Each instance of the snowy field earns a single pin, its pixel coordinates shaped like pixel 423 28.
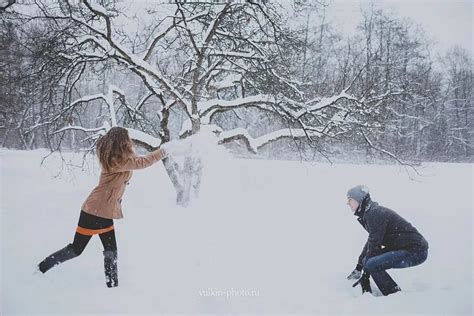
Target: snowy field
pixel 266 237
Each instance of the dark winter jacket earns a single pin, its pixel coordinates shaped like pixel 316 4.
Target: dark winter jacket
pixel 388 229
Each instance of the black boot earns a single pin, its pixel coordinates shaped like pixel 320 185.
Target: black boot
pixel 395 289
pixel 56 258
pixel 110 268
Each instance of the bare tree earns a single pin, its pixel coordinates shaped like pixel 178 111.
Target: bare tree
pixel 458 102
pixel 199 66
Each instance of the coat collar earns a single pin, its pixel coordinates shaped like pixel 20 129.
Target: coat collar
pixel 364 207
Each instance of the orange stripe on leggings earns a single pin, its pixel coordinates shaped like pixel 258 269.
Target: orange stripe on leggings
pixel 90 232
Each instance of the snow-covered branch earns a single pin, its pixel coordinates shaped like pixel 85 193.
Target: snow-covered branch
pixel 321 103
pixel 80 128
pixel 209 108
pixel 101 11
pixel 386 152
pixel 254 144
pixel 108 99
pixel 240 55
pixel 144 139
pixel 141 138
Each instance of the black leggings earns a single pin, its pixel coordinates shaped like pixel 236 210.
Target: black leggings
pixel 89 223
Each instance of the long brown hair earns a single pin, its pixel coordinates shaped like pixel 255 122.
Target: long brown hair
pixel 114 147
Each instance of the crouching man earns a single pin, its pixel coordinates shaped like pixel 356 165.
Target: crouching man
pixel 393 243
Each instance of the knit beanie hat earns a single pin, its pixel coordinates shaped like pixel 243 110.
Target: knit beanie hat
pixel 358 193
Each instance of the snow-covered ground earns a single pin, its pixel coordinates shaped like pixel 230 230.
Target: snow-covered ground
pixel 279 231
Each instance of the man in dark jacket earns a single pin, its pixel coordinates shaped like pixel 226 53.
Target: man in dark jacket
pixel 393 243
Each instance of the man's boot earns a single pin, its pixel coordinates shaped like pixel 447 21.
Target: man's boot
pixel 56 258
pixel 110 268
pixel 395 289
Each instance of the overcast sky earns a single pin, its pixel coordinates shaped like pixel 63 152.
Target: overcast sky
pixel 449 22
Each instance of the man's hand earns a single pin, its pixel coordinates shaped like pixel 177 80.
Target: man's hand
pixel 356 273
pixel 364 282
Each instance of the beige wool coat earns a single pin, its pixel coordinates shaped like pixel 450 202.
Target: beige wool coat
pixel 106 198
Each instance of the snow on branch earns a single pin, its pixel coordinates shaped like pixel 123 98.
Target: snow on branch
pixel 4 4
pixel 232 54
pixel 267 102
pixel 139 137
pixel 152 77
pixel 209 108
pixel 97 132
pixel 288 83
pixel 228 82
pixel 148 73
pixel 87 98
pixel 211 29
pixel 321 103
pixel 83 39
pixel 146 140
pixel 96 8
pixel 140 104
pixel 383 151
pixel 407 116
pixel 100 11
pixel 173 25
pixel 108 98
pixel 254 144
pixel 80 128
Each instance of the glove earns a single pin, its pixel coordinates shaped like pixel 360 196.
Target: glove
pixel 356 273
pixel 364 282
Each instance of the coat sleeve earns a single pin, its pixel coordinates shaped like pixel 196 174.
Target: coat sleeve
pixel 363 254
pixel 376 225
pixel 141 162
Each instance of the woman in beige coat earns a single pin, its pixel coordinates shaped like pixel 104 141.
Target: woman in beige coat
pixel 103 205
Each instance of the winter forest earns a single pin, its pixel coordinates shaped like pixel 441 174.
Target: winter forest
pixel 274 85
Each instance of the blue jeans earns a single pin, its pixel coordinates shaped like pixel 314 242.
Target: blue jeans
pixel 398 259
